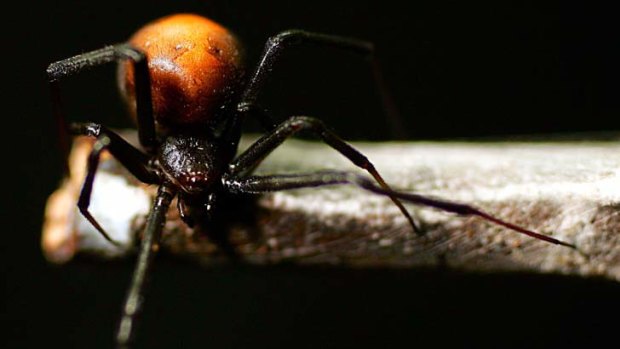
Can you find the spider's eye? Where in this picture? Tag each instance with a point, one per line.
(194, 182)
(189, 162)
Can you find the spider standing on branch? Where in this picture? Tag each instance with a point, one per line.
(183, 80)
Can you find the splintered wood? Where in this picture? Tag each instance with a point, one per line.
(568, 190)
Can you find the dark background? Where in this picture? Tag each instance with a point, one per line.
(455, 70)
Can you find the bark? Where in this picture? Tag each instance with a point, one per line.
(566, 189)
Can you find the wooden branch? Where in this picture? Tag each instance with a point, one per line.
(569, 190)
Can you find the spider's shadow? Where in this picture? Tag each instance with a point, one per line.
(233, 210)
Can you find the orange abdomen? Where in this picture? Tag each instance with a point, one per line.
(195, 68)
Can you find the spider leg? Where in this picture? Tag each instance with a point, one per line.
(114, 53)
(261, 184)
(283, 41)
(134, 160)
(258, 113)
(150, 240)
(229, 132)
(216, 227)
(252, 157)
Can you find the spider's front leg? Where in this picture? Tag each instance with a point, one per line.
(115, 53)
(131, 158)
(135, 296)
(245, 163)
(262, 184)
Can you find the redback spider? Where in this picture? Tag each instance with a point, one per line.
(183, 80)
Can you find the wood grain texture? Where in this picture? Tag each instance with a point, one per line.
(569, 190)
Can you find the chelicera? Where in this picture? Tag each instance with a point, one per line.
(184, 82)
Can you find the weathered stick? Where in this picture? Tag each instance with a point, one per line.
(569, 190)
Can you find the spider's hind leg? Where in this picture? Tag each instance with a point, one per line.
(286, 40)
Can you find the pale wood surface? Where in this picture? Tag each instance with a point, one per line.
(570, 190)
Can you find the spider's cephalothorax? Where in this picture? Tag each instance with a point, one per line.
(183, 79)
(192, 164)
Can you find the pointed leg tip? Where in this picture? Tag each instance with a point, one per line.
(416, 227)
(572, 246)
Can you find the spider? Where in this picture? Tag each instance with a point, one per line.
(185, 85)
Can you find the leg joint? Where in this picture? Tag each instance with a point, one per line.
(305, 122)
(90, 129)
(287, 37)
(127, 51)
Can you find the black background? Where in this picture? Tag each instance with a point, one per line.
(456, 70)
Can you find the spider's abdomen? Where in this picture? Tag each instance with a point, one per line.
(195, 67)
